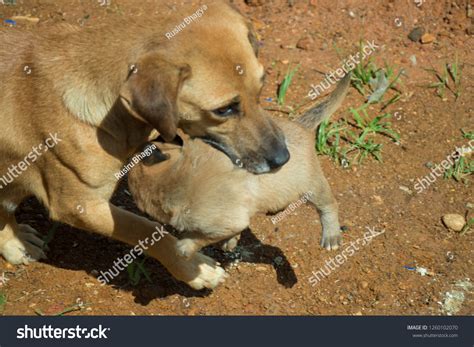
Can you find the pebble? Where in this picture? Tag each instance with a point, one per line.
(427, 38)
(364, 284)
(406, 189)
(416, 34)
(454, 221)
(26, 19)
(304, 43)
(378, 199)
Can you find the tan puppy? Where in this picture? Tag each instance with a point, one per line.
(96, 94)
(200, 191)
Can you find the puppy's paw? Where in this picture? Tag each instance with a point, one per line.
(186, 248)
(23, 247)
(229, 245)
(331, 239)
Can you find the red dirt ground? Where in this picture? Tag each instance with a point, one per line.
(276, 261)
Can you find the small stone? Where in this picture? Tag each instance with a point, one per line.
(454, 221)
(285, 62)
(304, 43)
(26, 19)
(427, 38)
(260, 268)
(406, 189)
(470, 205)
(378, 199)
(416, 34)
(364, 284)
(254, 2)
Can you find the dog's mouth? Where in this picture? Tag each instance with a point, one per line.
(221, 147)
(253, 166)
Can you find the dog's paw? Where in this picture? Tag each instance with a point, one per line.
(229, 245)
(201, 272)
(24, 247)
(331, 240)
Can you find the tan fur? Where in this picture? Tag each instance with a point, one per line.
(103, 90)
(200, 192)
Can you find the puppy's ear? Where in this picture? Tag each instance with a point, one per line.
(252, 36)
(151, 92)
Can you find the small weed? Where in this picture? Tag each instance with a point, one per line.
(135, 272)
(448, 79)
(50, 235)
(467, 228)
(285, 84)
(373, 82)
(352, 141)
(460, 170)
(3, 301)
(468, 134)
(464, 166)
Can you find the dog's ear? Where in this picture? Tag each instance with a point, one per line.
(151, 92)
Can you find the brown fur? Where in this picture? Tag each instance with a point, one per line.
(200, 192)
(103, 90)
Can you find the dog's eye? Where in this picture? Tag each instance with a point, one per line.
(228, 110)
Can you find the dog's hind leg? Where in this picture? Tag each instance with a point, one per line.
(321, 196)
(19, 243)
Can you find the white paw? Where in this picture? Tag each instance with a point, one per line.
(331, 240)
(229, 245)
(24, 247)
(208, 273)
(186, 248)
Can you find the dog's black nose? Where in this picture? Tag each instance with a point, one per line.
(279, 158)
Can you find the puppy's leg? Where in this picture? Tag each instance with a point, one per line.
(193, 242)
(199, 271)
(19, 244)
(229, 245)
(321, 196)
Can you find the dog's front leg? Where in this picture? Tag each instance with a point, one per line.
(102, 217)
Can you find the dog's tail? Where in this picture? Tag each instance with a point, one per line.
(322, 111)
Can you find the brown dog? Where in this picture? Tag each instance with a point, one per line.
(96, 94)
(199, 191)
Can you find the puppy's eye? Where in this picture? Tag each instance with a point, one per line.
(228, 110)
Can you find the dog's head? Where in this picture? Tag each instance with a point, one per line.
(206, 80)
